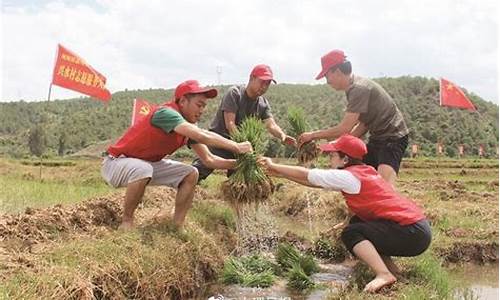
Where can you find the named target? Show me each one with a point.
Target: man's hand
(305, 137)
(244, 147)
(288, 140)
(266, 163)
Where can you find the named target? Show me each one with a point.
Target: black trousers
(388, 237)
(388, 152)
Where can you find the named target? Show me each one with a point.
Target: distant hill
(74, 124)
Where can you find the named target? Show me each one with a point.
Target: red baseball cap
(329, 60)
(263, 72)
(348, 144)
(193, 87)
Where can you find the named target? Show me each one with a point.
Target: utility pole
(218, 69)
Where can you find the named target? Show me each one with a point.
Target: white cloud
(158, 44)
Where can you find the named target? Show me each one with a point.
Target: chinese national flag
(141, 110)
(72, 72)
(452, 95)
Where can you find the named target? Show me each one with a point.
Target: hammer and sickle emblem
(145, 110)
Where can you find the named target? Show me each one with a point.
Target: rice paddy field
(58, 238)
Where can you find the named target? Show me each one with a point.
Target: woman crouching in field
(384, 224)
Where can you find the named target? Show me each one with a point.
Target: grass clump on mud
(211, 216)
(96, 262)
(429, 278)
(330, 250)
(134, 265)
(424, 278)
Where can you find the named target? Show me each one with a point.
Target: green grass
(210, 215)
(427, 276)
(136, 258)
(426, 279)
(213, 181)
(17, 194)
(68, 182)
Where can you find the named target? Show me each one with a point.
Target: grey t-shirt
(236, 101)
(376, 108)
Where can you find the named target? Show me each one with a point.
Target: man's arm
(277, 132)
(359, 130)
(230, 122)
(212, 139)
(294, 173)
(210, 160)
(345, 126)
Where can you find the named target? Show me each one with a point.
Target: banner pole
(50, 89)
(41, 155)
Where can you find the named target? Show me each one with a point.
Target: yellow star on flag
(145, 110)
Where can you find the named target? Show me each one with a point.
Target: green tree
(37, 140)
(61, 147)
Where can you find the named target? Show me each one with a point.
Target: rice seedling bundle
(249, 183)
(308, 151)
(249, 271)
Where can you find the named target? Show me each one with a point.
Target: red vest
(377, 199)
(148, 142)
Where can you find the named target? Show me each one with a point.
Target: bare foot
(379, 282)
(126, 226)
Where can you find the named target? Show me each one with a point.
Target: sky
(158, 44)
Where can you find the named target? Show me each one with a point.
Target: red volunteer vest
(148, 142)
(377, 199)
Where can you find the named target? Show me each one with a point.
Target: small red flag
(141, 110)
(452, 95)
(72, 72)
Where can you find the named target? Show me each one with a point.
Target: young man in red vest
(384, 224)
(137, 158)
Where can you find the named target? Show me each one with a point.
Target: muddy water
(332, 277)
(478, 282)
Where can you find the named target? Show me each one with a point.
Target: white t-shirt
(339, 180)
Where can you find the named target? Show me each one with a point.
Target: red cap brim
(328, 147)
(209, 92)
(321, 74)
(266, 77)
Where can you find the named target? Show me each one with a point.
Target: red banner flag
(141, 110)
(72, 72)
(452, 95)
